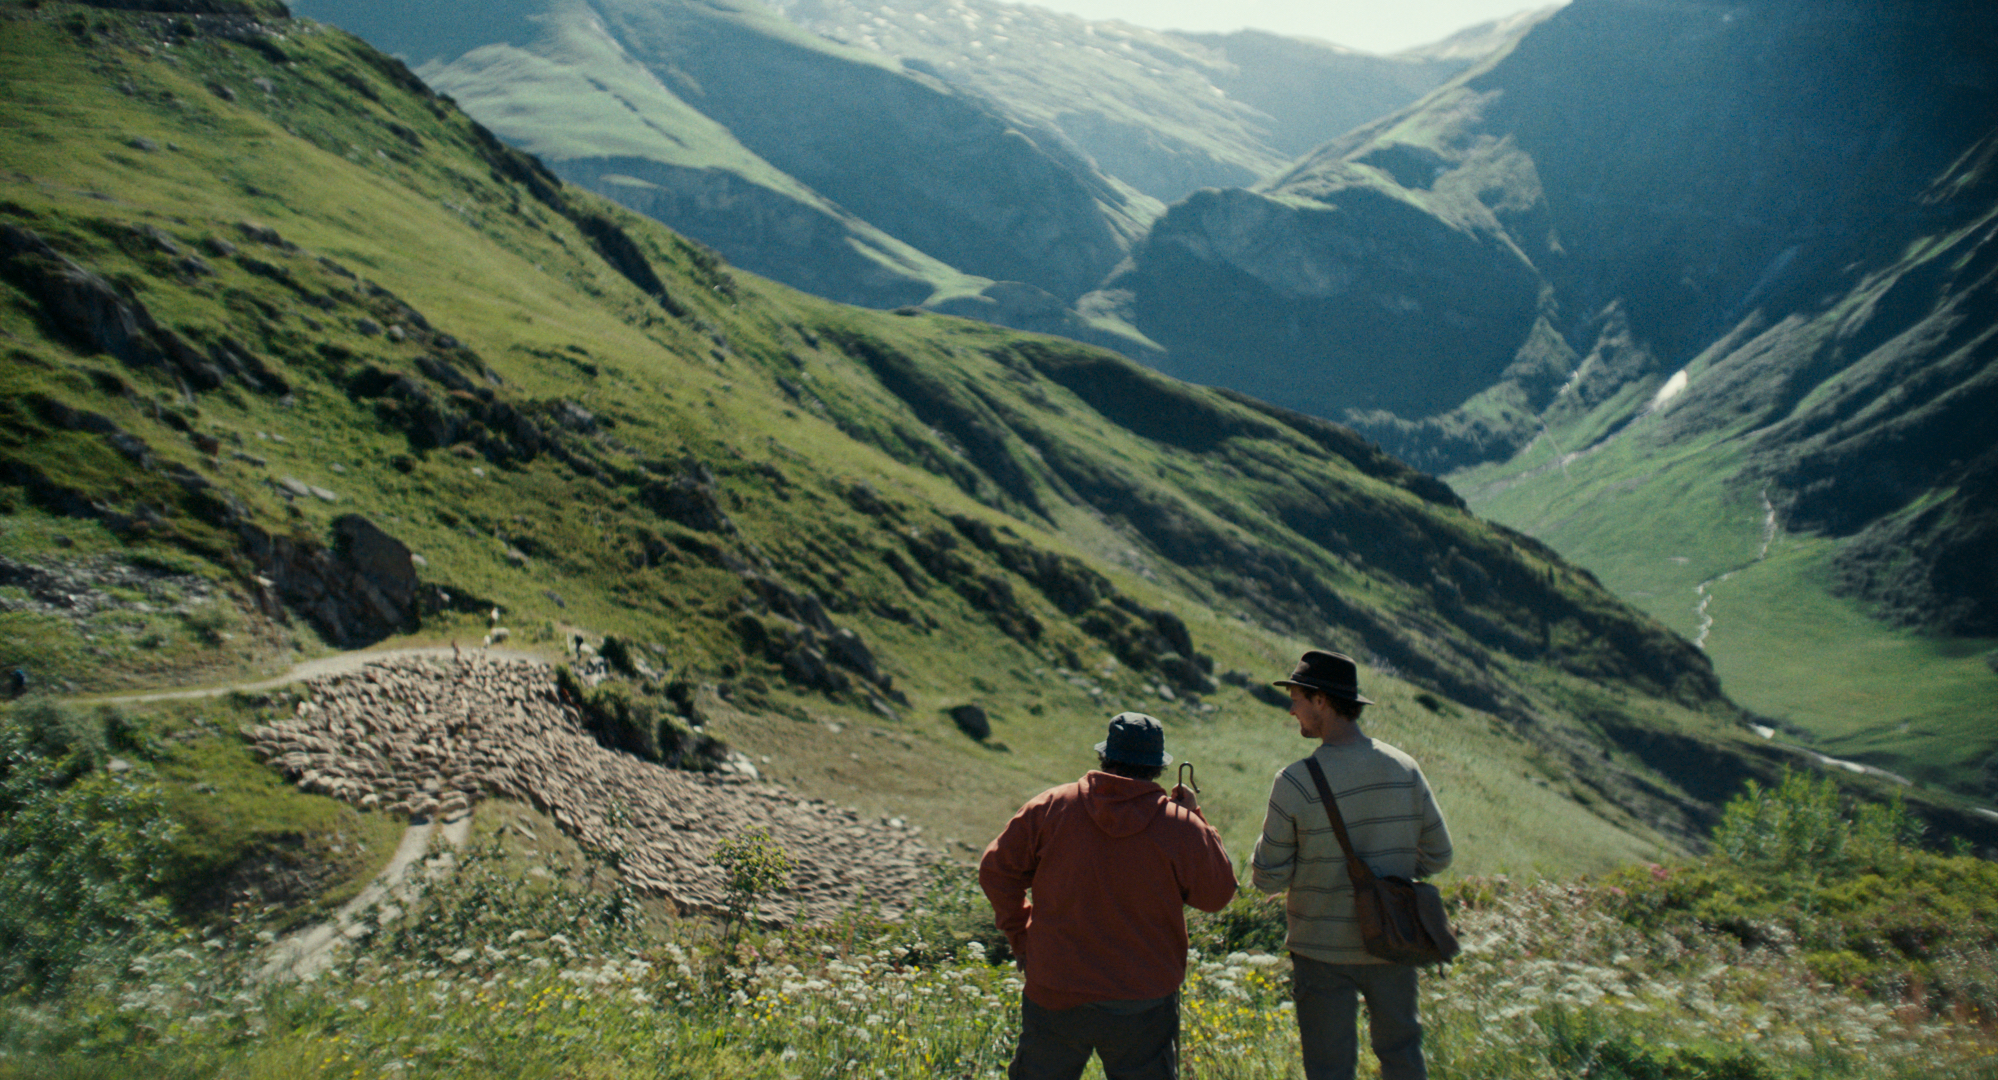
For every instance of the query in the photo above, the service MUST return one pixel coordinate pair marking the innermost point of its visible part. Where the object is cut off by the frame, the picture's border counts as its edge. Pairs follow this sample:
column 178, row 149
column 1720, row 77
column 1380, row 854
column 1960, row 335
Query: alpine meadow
column 458, row 624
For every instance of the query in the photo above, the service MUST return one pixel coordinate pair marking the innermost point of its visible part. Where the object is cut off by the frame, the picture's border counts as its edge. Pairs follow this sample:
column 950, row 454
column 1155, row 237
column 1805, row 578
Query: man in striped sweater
column 1395, row 827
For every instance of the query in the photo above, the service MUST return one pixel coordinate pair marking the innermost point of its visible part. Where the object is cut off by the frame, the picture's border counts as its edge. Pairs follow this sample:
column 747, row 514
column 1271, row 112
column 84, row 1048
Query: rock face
column 433, row 738
column 1367, row 300
column 380, row 562
column 98, row 316
column 358, row 591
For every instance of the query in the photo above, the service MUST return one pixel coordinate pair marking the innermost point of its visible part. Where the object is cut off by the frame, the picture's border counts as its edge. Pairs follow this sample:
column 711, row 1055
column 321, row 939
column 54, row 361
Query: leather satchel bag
column 1401, row 921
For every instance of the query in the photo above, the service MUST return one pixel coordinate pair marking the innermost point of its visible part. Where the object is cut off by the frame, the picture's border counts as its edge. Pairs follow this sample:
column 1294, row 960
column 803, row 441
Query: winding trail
column 305, row 952
column 433, row 731
column 324, row 667
column 1703, row 609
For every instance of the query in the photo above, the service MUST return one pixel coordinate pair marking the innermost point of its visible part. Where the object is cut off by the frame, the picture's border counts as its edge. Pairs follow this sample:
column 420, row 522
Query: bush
column 623, row 719
column 618, row 652
column 756, row 867
column 1795, row 869
column 53, row 733
column 83, row 851
column 952, row 914
column 485, row 904
column 1803, row 825
column 1251, row 923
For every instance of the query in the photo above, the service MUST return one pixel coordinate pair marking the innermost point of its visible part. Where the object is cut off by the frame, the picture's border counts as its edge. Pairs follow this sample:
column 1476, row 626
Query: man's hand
column 1184, row 796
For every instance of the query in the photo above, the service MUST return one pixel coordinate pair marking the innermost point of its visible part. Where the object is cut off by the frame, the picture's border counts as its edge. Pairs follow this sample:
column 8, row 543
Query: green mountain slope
column 980, row 159
column 828, row 166
column 1751, row 261
column 278, row 319
column 577, row 100
column 1167, row 113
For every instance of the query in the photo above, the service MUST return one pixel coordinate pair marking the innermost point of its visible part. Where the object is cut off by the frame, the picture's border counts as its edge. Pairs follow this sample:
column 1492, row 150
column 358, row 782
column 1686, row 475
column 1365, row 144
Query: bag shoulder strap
column 1356, row 868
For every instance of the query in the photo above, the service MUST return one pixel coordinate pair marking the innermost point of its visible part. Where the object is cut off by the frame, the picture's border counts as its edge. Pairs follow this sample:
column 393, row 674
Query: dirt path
column 308, row 951
column 432, row 731
column 324, row 667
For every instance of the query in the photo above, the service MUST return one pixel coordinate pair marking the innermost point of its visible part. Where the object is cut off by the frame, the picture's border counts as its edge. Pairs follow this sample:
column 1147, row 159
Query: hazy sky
column 1372, row 25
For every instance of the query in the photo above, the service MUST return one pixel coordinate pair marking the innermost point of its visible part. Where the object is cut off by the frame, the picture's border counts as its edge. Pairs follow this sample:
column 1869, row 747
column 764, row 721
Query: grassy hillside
column 828, row 166
column 261, row 283
column 1672, row 526
column 1167, row 113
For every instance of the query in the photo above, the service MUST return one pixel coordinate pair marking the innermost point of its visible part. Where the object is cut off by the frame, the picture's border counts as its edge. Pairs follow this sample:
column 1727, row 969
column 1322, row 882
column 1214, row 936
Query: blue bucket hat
column 1135, row 739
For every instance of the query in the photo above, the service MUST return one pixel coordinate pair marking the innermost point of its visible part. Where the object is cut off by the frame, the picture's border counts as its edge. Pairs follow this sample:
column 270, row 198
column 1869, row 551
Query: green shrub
column 1251, row 923
column 82, row 851
column 621, row 718
column 486, row 904
column 618, row 653
column 1795, row 868
column 1803, row 825
column 55, row 733
column 952, row 914
column 756, row 867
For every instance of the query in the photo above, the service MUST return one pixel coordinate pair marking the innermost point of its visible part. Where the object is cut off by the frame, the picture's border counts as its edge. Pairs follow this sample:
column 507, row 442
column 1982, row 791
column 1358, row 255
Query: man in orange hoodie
column 1112, row 861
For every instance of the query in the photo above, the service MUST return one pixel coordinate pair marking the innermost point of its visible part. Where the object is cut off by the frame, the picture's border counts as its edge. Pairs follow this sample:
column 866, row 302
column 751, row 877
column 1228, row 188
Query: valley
column 1443, row 249
column 512, row 395
column 364, row 468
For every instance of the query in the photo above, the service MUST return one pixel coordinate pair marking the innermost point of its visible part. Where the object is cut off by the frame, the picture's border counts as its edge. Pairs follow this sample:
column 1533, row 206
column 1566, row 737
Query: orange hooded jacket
column 1111, row 861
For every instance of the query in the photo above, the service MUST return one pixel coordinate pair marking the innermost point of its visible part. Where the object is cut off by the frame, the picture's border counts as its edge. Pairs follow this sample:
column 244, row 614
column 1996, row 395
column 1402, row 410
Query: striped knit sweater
column 1394, row 824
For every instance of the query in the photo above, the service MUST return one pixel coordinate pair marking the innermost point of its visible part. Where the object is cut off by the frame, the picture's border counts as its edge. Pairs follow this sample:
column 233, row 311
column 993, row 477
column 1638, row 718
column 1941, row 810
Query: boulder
column 971, row 720
column 382, row 560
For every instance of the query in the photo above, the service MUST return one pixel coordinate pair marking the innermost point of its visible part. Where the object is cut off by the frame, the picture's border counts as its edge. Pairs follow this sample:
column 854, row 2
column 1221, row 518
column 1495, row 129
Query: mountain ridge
column 814, row 513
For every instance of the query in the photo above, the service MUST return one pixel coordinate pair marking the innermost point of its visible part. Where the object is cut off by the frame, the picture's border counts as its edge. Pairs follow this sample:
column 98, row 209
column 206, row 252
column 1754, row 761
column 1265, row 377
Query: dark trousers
column 1328, row 1002
column 1055, row 1044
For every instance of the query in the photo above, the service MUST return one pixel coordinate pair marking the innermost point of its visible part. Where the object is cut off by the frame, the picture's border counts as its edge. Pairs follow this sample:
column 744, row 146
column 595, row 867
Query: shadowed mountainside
column 1744, row 250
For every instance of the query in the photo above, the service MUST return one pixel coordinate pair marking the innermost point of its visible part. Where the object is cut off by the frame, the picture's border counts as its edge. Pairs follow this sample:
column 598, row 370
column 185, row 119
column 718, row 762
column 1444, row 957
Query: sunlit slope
column 1166, row 112
column 781, row 148
column 576, row 99
column 259, row 279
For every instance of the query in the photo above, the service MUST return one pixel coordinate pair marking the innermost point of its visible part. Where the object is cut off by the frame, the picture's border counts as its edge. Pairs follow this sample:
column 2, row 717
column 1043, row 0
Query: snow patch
column 1673, row 387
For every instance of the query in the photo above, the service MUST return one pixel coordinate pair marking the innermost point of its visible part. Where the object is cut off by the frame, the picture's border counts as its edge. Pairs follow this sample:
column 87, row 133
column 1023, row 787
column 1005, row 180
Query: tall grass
column 496, row 973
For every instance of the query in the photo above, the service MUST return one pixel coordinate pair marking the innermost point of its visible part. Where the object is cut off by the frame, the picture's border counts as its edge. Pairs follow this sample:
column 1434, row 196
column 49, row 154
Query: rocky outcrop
column 432, row 738
column 971, row 720
column 690, row 497
column 100, row 317
column 792, row 630
column 357, row 590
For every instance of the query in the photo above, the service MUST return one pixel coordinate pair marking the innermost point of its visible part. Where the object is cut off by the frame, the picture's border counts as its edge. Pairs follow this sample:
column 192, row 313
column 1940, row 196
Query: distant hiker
column 1112, row 860
column 1395, row 827
column 17, row 682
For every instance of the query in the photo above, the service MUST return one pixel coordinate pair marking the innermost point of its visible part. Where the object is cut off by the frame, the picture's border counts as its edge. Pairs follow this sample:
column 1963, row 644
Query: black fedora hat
column 1330, row 673
column 1135, row 739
